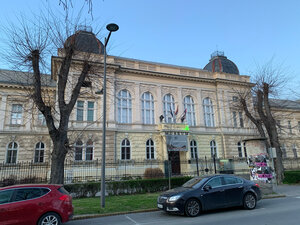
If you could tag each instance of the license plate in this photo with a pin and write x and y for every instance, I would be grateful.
(160, 206)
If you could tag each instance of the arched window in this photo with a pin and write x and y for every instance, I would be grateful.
(213, 148)
(124, 107)
(188, 104)
(12, 151)
(194, 151)
(147, 103)
(240, 151)
(39, 152)
(78, 150)
(208, 110)
(89, 150)
(149, 149)
(169, 108)
(125, 149)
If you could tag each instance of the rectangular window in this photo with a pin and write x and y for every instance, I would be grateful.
(234, 119)
(295, 150)
(299, 126)
(235, 98)
(39, 156)
(89, 153)
(11, 156)
(16, 114)
(278, 127)
(90, 111)
(80, 108)
(41, 119)
(290, 126)
(283, 150)
(241, 119)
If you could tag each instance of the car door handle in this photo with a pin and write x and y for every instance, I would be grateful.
(222, 190)
(240, 187)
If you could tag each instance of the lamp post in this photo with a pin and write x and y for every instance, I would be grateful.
(111, 28)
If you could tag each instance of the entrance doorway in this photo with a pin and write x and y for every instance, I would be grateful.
(174, 157)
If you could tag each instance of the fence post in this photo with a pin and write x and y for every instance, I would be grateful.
(215, 167)
(197, 165)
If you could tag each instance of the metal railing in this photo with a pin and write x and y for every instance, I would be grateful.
(83, 171)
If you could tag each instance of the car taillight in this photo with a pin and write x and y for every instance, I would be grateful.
(257, 185)
(66, 198)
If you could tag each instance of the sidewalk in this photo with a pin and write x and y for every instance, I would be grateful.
(288, 190)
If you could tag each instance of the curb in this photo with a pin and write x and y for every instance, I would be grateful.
(274, 196)
(90, 216)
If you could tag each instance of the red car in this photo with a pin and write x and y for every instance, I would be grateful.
(36, 204)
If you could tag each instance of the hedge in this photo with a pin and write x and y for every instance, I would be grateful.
(291, 177)
(125, 187)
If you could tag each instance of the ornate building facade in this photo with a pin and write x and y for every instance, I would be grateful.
(150, 106)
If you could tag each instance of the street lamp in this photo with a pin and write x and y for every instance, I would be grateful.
(112, 27)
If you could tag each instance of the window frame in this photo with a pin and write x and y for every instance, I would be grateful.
(12, 150)
(150, 149)
(16, 117)
(241, 118)
(90, 111)
(189, 105)
(77, 147)
(234, 118)
(294, 149)
(41, 118)
(283, 151)
(213, 148)
(168, 105)
(194, 149)
(37, 152)
(79, 111)
(208, 111)
(147, 100)
(125, 148)
(89, 145)
(240, 149)
(124, 114)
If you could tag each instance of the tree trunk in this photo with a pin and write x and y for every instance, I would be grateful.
(264, 111)
(60, 145)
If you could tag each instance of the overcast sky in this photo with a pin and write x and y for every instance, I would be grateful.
(186, 32)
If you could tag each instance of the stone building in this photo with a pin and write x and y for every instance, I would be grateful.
(152, 107)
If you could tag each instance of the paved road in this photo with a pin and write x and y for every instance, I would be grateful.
(278, 211)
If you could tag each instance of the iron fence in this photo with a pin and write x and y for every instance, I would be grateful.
(83, 171)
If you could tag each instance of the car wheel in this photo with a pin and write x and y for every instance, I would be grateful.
(249, 201)
(50, 219)
(192, 207)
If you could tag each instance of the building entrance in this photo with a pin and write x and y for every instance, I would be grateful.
(174, 157)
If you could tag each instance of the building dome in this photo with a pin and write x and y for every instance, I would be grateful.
(219, 63)
(86, 41)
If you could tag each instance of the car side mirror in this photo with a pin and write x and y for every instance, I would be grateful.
(207, 188)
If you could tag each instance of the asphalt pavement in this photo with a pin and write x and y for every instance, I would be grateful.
(276, 211)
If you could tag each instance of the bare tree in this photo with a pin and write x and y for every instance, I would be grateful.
(269, 80)
(30, 45)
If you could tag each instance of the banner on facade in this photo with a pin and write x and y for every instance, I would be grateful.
(177, 142)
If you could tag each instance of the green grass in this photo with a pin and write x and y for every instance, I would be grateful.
(113, 204)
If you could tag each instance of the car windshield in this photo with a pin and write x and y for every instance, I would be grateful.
(195, 182)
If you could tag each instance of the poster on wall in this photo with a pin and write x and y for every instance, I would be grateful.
(260, 168)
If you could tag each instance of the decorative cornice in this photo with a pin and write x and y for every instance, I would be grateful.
(181, 77)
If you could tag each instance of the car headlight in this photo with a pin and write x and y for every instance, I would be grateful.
(174, 198)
